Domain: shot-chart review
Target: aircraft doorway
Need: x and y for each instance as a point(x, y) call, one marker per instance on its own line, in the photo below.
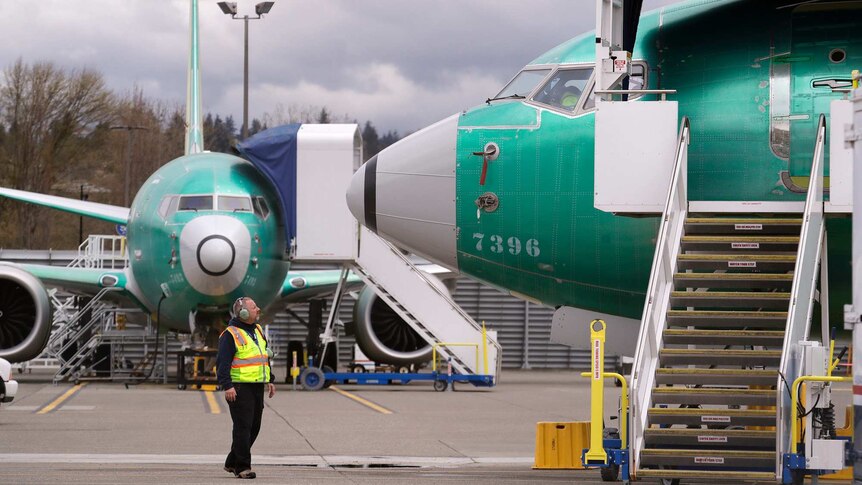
point(824, 51)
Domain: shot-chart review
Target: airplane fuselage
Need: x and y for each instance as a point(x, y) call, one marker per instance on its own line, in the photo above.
point(752, 78)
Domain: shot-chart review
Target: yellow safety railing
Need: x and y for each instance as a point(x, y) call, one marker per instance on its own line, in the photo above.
point(596, 454)
point(465, 344)
point(624, 404)
point(452, 344)
point(794, 403)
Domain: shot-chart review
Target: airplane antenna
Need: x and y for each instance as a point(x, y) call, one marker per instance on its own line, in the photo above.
point(194, 121)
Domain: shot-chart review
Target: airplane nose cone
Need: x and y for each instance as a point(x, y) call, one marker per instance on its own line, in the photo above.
point(216, 255)
point(356, 192)
point(406, 193)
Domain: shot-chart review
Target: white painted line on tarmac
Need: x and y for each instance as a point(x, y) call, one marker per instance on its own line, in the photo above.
point(285, 460)
point(16, 407)
point(76, 408)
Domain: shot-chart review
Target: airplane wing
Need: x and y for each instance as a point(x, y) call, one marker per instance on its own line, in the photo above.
point(300, 286)
point(87, 281)
point(110, 213)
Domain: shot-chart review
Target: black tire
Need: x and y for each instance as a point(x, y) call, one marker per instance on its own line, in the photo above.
point(311, 379)
point(610, 473)
point(404, 369)
point(670, 481)
point(327, 382)
point(358, 369)
point(181, 387)
point(440, 386)
point(797, 477)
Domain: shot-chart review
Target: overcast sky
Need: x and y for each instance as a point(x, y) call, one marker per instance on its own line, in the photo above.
point(402, 64)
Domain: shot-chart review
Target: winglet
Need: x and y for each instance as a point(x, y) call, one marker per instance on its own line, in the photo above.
point(194, 120)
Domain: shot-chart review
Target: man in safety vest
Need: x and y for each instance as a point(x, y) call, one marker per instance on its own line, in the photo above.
point(243, 372)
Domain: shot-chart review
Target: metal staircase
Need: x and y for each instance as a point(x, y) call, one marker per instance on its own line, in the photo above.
point(429, 311)
point(730, 296)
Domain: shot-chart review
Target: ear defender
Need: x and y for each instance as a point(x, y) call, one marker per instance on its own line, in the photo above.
point(243, 313)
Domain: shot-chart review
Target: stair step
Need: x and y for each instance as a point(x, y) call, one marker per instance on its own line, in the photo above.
point(739, 243)
point(760, 262)
point(735, 357)
point(707, 458)
point(714, 318)
point(718, 377)
point(712, 417)
point(769, 338)
point(735, 299)
point(738, 225)
point(733, 280)
point(711, 475)
point(724, 396)
point(713, 438)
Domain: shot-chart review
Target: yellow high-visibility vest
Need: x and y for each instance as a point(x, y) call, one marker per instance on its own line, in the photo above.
point(250, 362)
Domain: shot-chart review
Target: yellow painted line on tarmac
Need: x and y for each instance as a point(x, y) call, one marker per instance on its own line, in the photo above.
point(60, 400)
point(364, 402)
point(214, 407)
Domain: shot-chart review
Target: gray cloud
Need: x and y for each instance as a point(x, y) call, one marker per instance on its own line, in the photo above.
point(401, 64)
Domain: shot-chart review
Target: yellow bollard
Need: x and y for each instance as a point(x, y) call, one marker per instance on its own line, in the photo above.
point(294, 370)
point(596, 454)
point(855, 76)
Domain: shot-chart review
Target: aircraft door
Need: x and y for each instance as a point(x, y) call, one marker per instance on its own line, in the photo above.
point(824, 51)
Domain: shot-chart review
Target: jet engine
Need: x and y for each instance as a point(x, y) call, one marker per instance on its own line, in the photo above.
point(383, 335)
point(25, 315)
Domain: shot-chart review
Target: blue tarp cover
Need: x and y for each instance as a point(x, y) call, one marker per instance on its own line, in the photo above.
point(273, 152)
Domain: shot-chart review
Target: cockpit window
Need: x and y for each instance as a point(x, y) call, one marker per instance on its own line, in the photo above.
point(234, 203)
point(563, 89)
point(260, 207)
point(164, 205)
point(523, 83)
point(196, 203)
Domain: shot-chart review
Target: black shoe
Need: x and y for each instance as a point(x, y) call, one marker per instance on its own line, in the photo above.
point(246, 474)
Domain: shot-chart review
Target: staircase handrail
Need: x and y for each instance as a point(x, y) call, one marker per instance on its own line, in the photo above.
point(91, 304)
point(802, 291)
point(466, 316)
point(660, 285)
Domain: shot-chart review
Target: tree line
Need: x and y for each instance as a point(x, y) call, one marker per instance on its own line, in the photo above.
point(64, 132)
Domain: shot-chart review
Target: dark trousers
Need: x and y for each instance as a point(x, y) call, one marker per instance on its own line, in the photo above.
point(245, 412)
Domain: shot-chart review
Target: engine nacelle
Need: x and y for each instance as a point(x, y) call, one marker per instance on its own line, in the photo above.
point(383, 335)
point(25, 315)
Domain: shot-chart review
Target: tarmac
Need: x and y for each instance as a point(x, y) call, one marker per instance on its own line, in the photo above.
point(100, 433)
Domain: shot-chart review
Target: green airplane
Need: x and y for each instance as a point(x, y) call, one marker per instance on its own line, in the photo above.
point(752, 76)
point(203, 230)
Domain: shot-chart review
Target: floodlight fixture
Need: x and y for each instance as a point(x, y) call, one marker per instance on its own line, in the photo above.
point(263, 8)
point(229, 8)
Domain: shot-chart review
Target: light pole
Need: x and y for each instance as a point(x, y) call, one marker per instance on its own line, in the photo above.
point(129, 129)
point(229, 8)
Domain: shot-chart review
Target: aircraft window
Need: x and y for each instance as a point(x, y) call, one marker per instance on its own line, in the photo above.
point(196, 203)
point(164, 205)
point(235, 204)
point(564, 88)
point(260, 207)
point(523, 83)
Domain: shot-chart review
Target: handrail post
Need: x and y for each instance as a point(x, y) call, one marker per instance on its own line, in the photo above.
point(596, 453)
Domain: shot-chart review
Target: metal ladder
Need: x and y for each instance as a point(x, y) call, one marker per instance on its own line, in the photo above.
point(429, 311)
point(729, 296)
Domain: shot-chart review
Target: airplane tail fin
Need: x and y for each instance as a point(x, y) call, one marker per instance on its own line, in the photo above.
point(194, 118)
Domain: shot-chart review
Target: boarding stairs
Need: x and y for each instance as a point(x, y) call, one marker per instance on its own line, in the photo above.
point(430, 311)
point(730, 295)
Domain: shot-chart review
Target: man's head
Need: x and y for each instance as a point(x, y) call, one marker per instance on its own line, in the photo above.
point(246, 309)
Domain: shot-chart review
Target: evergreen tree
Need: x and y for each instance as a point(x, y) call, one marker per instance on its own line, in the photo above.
point(323, 117)
point(370, 140)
